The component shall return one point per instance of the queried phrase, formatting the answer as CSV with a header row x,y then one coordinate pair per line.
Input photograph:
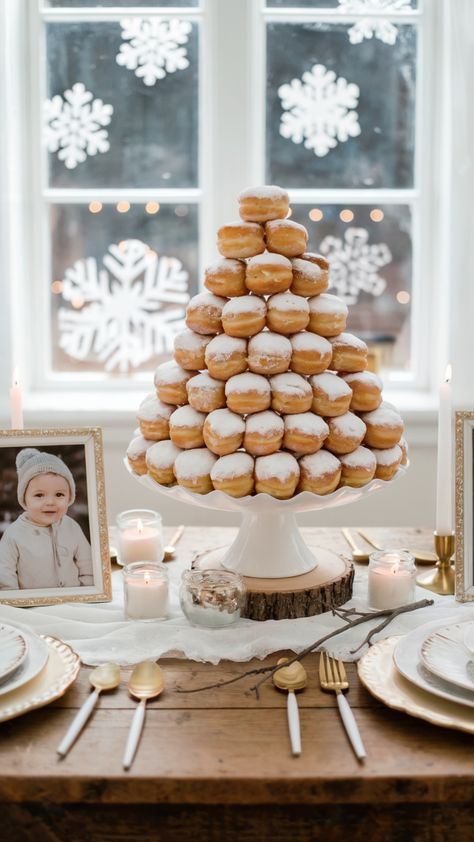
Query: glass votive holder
x,y
139,536
212,598
145,590
391,579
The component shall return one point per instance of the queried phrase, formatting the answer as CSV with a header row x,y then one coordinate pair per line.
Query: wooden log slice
x,y
328,584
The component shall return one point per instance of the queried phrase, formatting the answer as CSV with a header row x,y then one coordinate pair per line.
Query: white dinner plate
x,y
408,662
13,650
445,655
35,661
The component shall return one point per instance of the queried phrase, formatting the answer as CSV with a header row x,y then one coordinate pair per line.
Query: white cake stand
x,y
269,544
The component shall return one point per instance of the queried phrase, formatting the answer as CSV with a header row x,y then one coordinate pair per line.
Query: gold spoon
x,y
292,678
419,555
170,551
105,677
357,554
145,682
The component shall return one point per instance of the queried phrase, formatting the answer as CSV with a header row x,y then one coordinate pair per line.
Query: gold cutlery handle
x,y
369,540
176,536
349,538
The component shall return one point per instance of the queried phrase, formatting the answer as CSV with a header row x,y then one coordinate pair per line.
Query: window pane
x,y
119,3
328,124
108,125
115,302
346,6
371,269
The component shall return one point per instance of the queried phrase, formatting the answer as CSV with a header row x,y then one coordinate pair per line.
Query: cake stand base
x,y
328,584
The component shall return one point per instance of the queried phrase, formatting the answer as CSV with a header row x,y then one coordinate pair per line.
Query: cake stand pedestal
x,y
285,578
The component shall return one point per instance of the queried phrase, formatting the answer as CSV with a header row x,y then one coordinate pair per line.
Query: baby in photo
x,y
44,547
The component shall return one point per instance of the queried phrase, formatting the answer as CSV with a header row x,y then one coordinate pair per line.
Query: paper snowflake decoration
x,y
126,313
355,264
154,48
370,27
318,110
73,125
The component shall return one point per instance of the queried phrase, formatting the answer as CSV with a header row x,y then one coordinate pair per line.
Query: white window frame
x,y
232,144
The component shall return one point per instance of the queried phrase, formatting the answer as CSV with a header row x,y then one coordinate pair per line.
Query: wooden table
x,y
216,765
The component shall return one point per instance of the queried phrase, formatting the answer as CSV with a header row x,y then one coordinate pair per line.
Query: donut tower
x,y
267,392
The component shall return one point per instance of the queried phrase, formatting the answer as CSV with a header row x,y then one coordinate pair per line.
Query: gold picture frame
x,y
82,523
465,505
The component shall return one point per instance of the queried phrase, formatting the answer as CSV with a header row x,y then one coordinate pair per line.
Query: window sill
x,y
115,412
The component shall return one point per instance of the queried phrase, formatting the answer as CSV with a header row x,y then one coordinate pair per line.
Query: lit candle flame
x,y
16,377
449,372
147,579
139,525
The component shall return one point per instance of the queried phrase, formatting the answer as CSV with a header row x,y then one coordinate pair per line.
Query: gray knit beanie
x,y
31,462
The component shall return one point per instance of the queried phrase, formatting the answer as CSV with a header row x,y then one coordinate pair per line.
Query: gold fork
x,y
333,678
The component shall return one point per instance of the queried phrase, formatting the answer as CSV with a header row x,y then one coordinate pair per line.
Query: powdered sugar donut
x,y
189,349
186,427
226,277
311,354
263,433
403,445
349,353
318,259
269,353
286,237
305,432
193,469
387,461
136,454
366,390
358,467
244,316
170,383
268,273
287,313
204,313
277,474
291,393
233,474
384,427
248,393
205,393
160,459
240,239
223,431
327,314
320,473
346,432
331,395
153,418
308,277
259,204
226,356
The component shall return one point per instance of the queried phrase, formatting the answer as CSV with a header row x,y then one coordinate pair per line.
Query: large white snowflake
x,y
368,27
154,48
317,110
126,315
355,264
73,125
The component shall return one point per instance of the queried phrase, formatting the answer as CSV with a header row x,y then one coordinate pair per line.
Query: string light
x,y
123,207
315,214
95,207
181,210
376,215
403,297
346,215
77,302
57,287
152,207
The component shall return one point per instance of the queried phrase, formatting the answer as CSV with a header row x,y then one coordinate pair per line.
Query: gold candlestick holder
x,y
441,579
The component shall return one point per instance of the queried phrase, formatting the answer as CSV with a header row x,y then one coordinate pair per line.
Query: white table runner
x,y
100,633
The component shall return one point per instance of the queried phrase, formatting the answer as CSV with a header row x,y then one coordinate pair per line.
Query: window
x,y
138,130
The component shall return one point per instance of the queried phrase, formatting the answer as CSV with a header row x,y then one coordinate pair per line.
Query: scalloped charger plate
x,y
379,675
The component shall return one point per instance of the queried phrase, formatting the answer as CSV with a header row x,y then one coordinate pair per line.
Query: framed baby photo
x,y
465,506
53,530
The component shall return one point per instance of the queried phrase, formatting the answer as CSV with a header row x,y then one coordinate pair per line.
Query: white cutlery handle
x,y
78,723
351,726
134,734
294,723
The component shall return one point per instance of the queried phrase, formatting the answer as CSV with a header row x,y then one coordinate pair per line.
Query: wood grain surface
x,y
218,763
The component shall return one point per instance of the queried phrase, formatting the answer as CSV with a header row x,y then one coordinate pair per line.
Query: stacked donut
x,y
267,391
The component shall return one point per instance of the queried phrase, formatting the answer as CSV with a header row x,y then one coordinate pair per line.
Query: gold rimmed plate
x,y
13,650
51,683
379,675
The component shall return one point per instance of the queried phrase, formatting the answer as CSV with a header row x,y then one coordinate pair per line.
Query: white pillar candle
x,y
16,403
145,592
139,536
444,480
391,579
